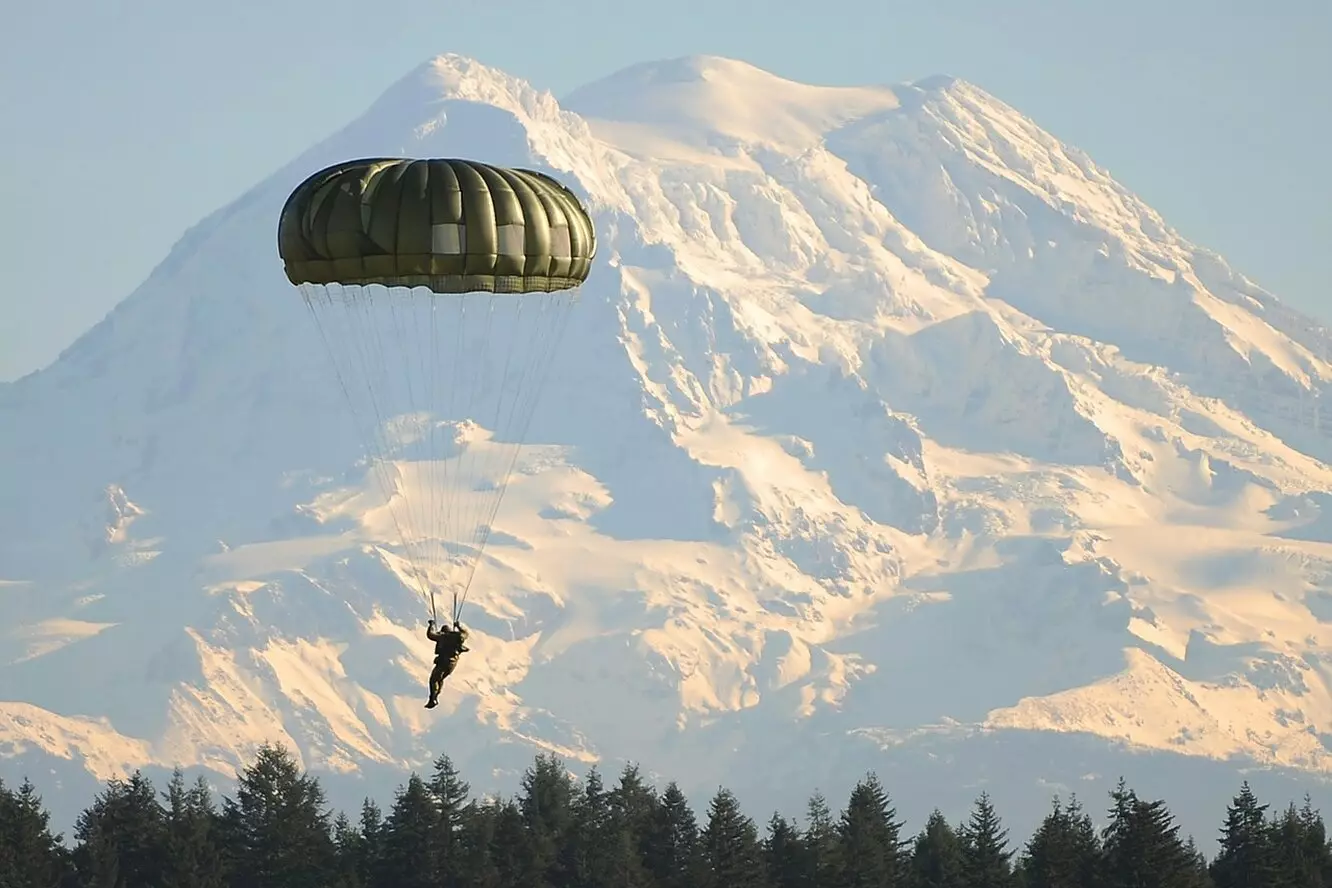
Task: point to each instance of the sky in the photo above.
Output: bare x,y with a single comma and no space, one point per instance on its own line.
131,120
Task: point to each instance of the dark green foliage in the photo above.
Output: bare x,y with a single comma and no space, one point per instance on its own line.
412,854
1299,849
1143,848
869,838
192,844
1064,852
985,848
731,856
546,803
122,837
30,854
670,850
784,855
937,858
1245,859
822,848
276,829
559,832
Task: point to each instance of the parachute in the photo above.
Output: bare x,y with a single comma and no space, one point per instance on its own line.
441,289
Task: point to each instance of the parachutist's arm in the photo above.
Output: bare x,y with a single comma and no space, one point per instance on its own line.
431,633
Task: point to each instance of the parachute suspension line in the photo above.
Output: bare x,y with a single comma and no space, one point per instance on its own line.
393,493
559,302
397,499
454,512
434,470
417,412
477,549
377,454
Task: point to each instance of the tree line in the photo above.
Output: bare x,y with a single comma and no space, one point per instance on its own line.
557,832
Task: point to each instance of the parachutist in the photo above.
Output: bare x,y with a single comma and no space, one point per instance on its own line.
449,645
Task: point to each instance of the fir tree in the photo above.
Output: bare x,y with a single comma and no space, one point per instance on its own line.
937,860
546,803
366,850
413,843
451,793
1195,867
636,807
1064,852
729,846
347,843
277,828
1142,846
122,836
193,845
586,857
471,863
784,854
822,852
512,860
1245,858
30,854
869,839
670,847
985,848
1316,860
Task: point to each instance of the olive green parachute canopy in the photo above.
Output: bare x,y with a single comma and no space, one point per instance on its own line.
454,226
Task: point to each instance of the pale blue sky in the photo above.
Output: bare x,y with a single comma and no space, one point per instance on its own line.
1217,112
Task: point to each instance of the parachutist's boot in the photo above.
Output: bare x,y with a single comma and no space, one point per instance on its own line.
431,703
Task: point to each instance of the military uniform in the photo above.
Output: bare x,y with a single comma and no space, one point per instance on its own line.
449,645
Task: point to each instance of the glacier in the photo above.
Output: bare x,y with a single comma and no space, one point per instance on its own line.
890,433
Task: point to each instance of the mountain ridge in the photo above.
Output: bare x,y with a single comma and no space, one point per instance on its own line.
859,402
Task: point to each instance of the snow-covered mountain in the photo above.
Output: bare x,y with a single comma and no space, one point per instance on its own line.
890,432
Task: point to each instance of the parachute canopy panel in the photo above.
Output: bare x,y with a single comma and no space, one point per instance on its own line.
454,226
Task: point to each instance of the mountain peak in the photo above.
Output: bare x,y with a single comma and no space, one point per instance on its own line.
700,99
857,391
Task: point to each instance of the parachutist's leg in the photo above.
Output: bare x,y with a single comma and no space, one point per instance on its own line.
437,676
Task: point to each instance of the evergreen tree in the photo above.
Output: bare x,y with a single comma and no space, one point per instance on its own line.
364,849
1064,852
546,803
670,848
731,856
122,836
451,793
277,828
1285,837
1142,846
471,863
193,846
513,859
869,839
985,848
784,854
586,852
937,859
1195,867
822,845
636,807
1245,859
1314,867
558,834
347,844
30,854
413,840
